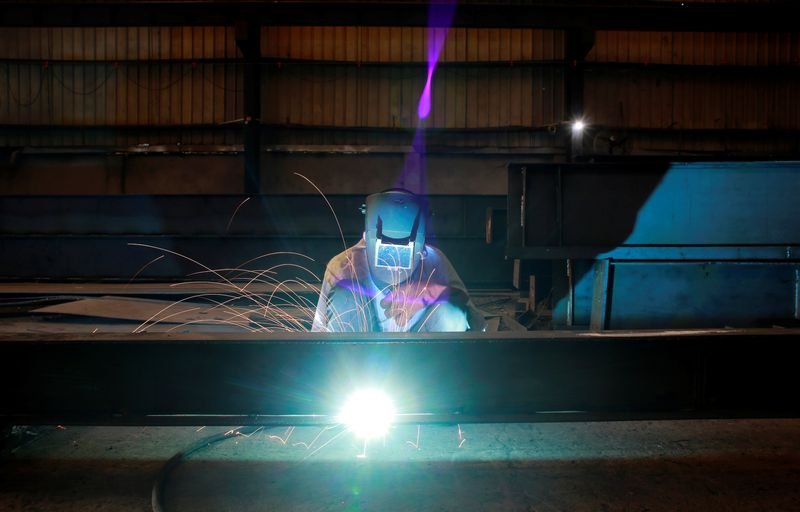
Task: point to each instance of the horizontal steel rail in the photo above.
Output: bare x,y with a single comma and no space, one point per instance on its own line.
303,378
611,15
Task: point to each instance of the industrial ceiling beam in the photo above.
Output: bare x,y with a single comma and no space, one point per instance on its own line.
303,378
609,15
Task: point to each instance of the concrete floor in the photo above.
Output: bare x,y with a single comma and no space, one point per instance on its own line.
745,465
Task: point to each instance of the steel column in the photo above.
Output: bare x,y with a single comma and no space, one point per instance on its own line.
577,46
248,39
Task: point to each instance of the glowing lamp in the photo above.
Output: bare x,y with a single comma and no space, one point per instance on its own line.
368,413
578,126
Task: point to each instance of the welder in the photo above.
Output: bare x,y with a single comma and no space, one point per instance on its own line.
391,280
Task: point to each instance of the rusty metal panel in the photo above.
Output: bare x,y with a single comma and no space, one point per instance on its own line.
696,48
90,94
701,99
111,76
409,44
117,43
475,97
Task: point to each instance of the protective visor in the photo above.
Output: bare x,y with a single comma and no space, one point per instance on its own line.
395,253
392,256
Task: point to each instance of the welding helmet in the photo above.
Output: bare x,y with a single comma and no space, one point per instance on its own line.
395,235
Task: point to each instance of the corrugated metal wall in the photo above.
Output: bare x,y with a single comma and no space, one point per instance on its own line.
499,88
116,78
409,44
697,48
387,97
360,85
702,99
352,77
693,83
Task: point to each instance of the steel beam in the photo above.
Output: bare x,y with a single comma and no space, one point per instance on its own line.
302,378
610,15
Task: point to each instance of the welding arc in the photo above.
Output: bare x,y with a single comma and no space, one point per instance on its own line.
157,494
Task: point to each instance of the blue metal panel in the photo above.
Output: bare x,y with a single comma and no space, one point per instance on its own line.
667,295
699,210
689,244
743,203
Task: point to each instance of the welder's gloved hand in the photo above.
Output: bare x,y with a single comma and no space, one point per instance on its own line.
407,299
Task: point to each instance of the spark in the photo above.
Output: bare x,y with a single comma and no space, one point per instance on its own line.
419,329
283,306
408,294
285,439
363,454
234,314
416,444
275,285
329,441
277,253
234,214
206,322
144,325
251,433
142,269
338,225
270,307
462,438
335,217
309,445
258,273
136,244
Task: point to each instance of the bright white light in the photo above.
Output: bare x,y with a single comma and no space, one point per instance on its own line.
578,126
368,413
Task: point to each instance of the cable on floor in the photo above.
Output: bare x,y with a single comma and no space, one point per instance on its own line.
157,494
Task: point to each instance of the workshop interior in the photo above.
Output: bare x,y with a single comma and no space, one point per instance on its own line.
591,207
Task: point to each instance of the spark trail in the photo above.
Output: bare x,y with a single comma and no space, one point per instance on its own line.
227,230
